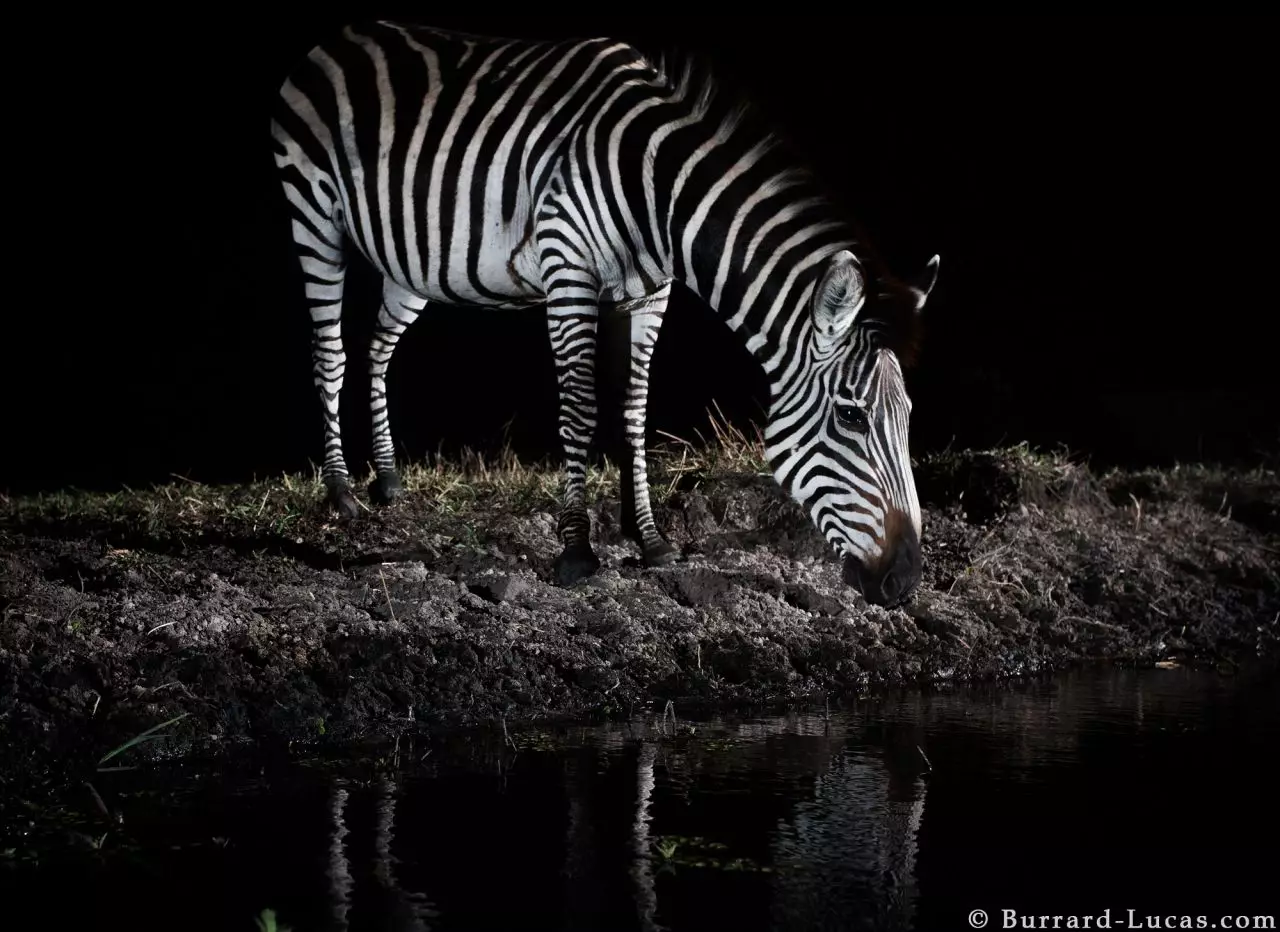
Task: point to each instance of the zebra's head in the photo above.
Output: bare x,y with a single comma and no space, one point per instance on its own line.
837,433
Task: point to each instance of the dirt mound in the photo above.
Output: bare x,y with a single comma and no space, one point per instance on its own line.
260,616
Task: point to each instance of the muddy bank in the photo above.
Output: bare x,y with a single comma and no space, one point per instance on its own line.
258,614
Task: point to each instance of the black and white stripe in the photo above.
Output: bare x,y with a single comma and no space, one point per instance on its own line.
580,175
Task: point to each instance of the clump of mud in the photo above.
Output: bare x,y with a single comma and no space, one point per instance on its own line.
257,614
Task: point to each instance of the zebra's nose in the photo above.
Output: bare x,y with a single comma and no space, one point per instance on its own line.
890,580
904,572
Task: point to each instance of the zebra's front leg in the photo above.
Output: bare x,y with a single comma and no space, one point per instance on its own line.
400,308
572,318
644,318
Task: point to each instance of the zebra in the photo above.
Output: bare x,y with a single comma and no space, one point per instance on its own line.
583,176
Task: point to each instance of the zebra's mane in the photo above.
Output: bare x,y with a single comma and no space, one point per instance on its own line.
890,313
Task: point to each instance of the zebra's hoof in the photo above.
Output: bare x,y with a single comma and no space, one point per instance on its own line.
661,554
575,564
385,488
343,501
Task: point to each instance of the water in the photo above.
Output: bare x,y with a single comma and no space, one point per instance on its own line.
1099,790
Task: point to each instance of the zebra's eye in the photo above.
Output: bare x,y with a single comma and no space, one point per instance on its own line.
851,417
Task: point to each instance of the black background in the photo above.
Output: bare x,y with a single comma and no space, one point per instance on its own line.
1100,191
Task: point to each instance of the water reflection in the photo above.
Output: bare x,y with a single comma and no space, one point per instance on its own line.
899,812
340,882
847,857
641,865
403,910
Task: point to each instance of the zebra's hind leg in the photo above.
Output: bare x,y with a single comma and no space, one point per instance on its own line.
320,246
644,318
572,318
324,265
400,308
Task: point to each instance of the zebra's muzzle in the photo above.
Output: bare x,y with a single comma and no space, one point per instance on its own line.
889,581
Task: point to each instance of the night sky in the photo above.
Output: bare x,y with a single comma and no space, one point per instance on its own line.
1101,192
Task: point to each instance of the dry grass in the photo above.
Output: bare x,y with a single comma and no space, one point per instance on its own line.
453,486
291,505
729,452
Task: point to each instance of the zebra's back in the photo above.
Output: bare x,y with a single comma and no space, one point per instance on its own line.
429,150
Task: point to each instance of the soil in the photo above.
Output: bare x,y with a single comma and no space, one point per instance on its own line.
261,617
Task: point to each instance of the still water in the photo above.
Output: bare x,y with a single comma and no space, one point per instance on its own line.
1103,794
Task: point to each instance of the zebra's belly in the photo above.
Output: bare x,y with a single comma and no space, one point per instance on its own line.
497,277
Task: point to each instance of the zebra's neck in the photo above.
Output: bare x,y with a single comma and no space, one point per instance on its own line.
747,229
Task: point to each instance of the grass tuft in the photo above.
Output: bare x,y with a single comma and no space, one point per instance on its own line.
679,463
292,507
454,486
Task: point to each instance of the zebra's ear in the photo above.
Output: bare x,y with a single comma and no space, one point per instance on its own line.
837,299
925,281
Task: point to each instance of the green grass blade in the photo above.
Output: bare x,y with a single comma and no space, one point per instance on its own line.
148,735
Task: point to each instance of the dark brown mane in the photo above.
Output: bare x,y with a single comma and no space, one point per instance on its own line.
890,310
899,326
